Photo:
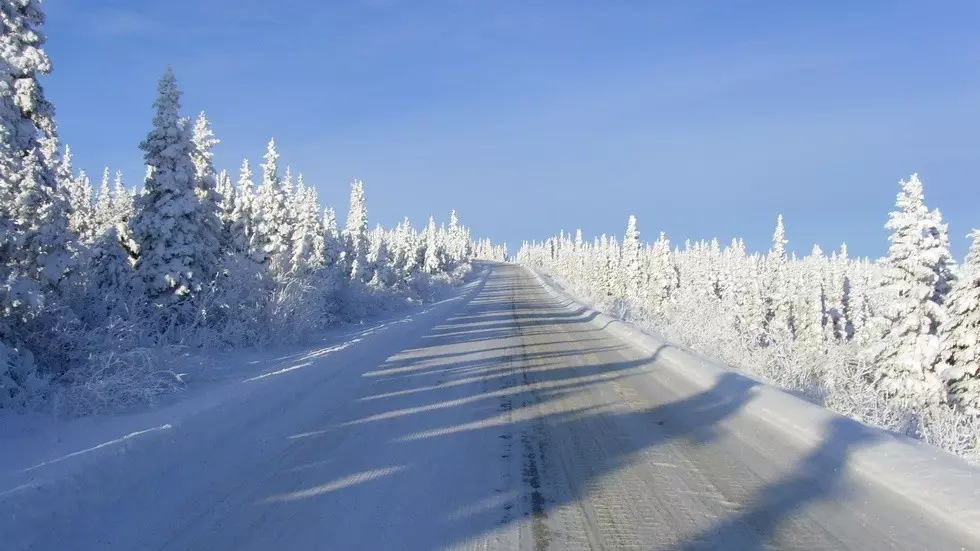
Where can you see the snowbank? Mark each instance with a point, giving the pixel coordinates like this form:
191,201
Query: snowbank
44,459
936,481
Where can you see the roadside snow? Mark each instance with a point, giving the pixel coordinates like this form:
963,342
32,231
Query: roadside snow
934,479
44,455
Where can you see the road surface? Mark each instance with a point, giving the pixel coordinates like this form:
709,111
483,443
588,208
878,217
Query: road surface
513,423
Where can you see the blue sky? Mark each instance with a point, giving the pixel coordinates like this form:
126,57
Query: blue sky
704,119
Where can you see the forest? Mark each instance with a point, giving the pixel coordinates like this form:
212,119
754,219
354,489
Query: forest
892,342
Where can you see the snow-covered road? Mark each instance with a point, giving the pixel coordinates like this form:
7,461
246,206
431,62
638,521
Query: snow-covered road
503,421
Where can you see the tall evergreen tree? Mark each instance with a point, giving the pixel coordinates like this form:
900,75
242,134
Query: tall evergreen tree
634,277
356,234
379,259
176,249
912,288
103,215
209,200
309,247
780,314
431,264
243,215
961,334
34,236
273,231
82,216
226,206
122,200
332,243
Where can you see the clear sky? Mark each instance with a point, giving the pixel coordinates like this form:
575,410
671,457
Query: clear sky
704,119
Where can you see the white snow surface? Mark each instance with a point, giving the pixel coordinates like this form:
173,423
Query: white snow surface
933,479
45,458
506,417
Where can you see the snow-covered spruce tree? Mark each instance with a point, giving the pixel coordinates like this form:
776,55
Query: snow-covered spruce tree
202,155
912,289
77,191
379,259
404,250
458,247
65,173
243,217
273,232
112,282
665,278
82,219
34,236
226,207
177,249
633,270
810,306
309,246
102,215
780,323
839,289
863,308
332,242
356,236
961,334
431,263
122,200
289,190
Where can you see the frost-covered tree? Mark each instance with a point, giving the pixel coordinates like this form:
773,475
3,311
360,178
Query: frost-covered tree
912,289
404,249
810,304
356,234
209,200
243,214
112,281
431,264
379,259
72,189
82,215
332,242
122,200
177,248
457,240
309,246
633,269
839,291
961,334
34,236
103,215
778,300
226,206
65,172
287,187
273,231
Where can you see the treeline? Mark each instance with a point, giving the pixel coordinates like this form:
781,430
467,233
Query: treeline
894,341
95,285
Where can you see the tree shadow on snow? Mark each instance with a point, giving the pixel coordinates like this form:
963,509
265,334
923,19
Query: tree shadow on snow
560,415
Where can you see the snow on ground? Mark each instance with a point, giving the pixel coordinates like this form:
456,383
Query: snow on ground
42,452
506,418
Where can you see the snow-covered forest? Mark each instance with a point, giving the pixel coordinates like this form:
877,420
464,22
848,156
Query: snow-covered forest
102,282
97,286
892,342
